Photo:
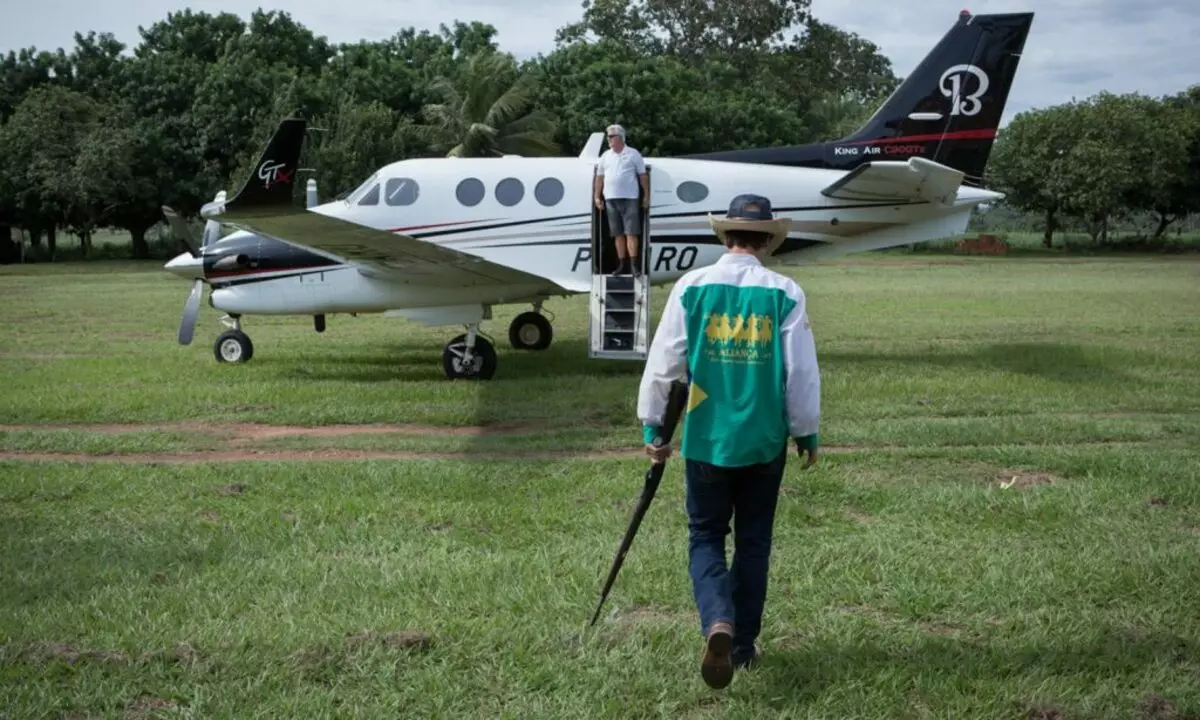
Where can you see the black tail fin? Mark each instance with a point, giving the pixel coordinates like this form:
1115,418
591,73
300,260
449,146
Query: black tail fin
949,109
273,177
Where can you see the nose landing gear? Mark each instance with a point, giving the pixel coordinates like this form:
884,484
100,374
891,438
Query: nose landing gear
233,345
469,356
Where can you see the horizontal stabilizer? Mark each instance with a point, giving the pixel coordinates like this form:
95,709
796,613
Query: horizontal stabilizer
917,179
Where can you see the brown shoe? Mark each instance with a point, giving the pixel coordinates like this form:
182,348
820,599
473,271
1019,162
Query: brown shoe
717,666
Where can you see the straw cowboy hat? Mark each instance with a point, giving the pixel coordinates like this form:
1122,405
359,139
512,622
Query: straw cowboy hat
753,214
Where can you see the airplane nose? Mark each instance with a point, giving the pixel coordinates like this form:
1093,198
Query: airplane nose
186,266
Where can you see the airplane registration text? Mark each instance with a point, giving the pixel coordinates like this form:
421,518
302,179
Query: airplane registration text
665,258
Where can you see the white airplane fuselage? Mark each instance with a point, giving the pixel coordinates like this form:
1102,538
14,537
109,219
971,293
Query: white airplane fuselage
544,227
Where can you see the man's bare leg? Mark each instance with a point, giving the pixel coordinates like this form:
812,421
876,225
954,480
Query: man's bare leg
619,242
631,242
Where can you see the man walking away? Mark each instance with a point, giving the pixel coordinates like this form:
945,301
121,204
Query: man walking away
619,172
740,332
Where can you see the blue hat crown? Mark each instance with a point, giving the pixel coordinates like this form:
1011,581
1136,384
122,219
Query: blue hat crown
750,207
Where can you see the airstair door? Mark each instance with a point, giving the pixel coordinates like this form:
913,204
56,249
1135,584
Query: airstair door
619,312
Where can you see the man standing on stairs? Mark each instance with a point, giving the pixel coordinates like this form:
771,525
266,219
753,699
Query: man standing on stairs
740,333
619,173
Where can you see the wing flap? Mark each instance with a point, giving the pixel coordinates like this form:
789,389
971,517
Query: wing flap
917,179
398,256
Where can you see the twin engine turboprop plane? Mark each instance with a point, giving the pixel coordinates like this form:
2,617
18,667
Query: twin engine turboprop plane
443,240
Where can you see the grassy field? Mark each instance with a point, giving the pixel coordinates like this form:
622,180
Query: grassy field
1006,524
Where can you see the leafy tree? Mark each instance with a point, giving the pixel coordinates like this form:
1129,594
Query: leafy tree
1029,160
489,111
689,29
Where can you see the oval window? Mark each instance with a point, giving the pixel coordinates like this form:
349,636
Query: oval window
509,191
548,191
470,192
691,191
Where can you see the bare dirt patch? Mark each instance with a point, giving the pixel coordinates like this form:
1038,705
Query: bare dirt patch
395,640
146,706
1156,707
860,517
1023,479
200,457
241,433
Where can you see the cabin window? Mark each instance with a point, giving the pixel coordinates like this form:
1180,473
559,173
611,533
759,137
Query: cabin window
372,196
509,191
470,192
548,191
691,191
401,191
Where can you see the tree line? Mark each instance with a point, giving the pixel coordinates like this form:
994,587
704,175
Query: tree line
100,138
1109,161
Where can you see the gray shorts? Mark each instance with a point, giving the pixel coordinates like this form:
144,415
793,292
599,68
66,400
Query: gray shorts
624,216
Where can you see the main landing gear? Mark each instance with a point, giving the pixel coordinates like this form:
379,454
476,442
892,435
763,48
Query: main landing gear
472,356
531,330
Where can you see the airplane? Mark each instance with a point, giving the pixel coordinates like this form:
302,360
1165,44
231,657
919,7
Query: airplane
441,241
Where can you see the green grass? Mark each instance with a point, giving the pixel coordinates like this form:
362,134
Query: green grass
1007,526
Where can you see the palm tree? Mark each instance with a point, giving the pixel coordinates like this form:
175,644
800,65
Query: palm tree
488,113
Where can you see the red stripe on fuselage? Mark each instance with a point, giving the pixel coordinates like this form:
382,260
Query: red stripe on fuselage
981,134
263,271
435,225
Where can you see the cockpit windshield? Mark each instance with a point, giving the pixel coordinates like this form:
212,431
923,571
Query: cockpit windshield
361,190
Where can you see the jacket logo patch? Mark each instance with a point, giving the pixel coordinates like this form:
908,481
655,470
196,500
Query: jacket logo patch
738,338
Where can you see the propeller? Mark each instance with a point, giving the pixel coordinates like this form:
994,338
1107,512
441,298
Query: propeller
212,233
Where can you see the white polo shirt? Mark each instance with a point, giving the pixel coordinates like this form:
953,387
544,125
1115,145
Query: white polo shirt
620,172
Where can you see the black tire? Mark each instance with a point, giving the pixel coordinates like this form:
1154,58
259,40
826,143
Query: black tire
233,346
530,331
483,362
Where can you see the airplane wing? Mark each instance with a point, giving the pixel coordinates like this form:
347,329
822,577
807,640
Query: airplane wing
916,179
264,206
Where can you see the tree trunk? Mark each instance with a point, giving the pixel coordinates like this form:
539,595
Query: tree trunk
1163,221
1048,236
141,250
9,252
52,241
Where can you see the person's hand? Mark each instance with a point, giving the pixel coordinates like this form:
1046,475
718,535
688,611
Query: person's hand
658,454
812,456
646,202
599,203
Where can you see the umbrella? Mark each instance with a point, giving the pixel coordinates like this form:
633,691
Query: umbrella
676,401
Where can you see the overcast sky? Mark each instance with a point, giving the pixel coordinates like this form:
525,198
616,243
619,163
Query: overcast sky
1076,47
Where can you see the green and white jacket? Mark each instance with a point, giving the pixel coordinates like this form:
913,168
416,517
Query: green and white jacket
740,333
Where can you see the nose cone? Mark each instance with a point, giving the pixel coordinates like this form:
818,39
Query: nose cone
186,266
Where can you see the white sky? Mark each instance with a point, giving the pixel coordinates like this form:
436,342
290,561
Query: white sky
1076,47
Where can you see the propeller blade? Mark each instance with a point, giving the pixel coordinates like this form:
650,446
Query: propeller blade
180,230
187,324
212,233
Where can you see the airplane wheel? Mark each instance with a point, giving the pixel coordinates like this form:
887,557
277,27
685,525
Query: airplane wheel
233,346
483,359
530,331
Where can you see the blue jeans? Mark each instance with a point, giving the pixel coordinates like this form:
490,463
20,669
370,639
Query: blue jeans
748,495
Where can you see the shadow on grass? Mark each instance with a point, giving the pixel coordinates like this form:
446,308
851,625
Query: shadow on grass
794,675
109,558
1051,361
562,360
